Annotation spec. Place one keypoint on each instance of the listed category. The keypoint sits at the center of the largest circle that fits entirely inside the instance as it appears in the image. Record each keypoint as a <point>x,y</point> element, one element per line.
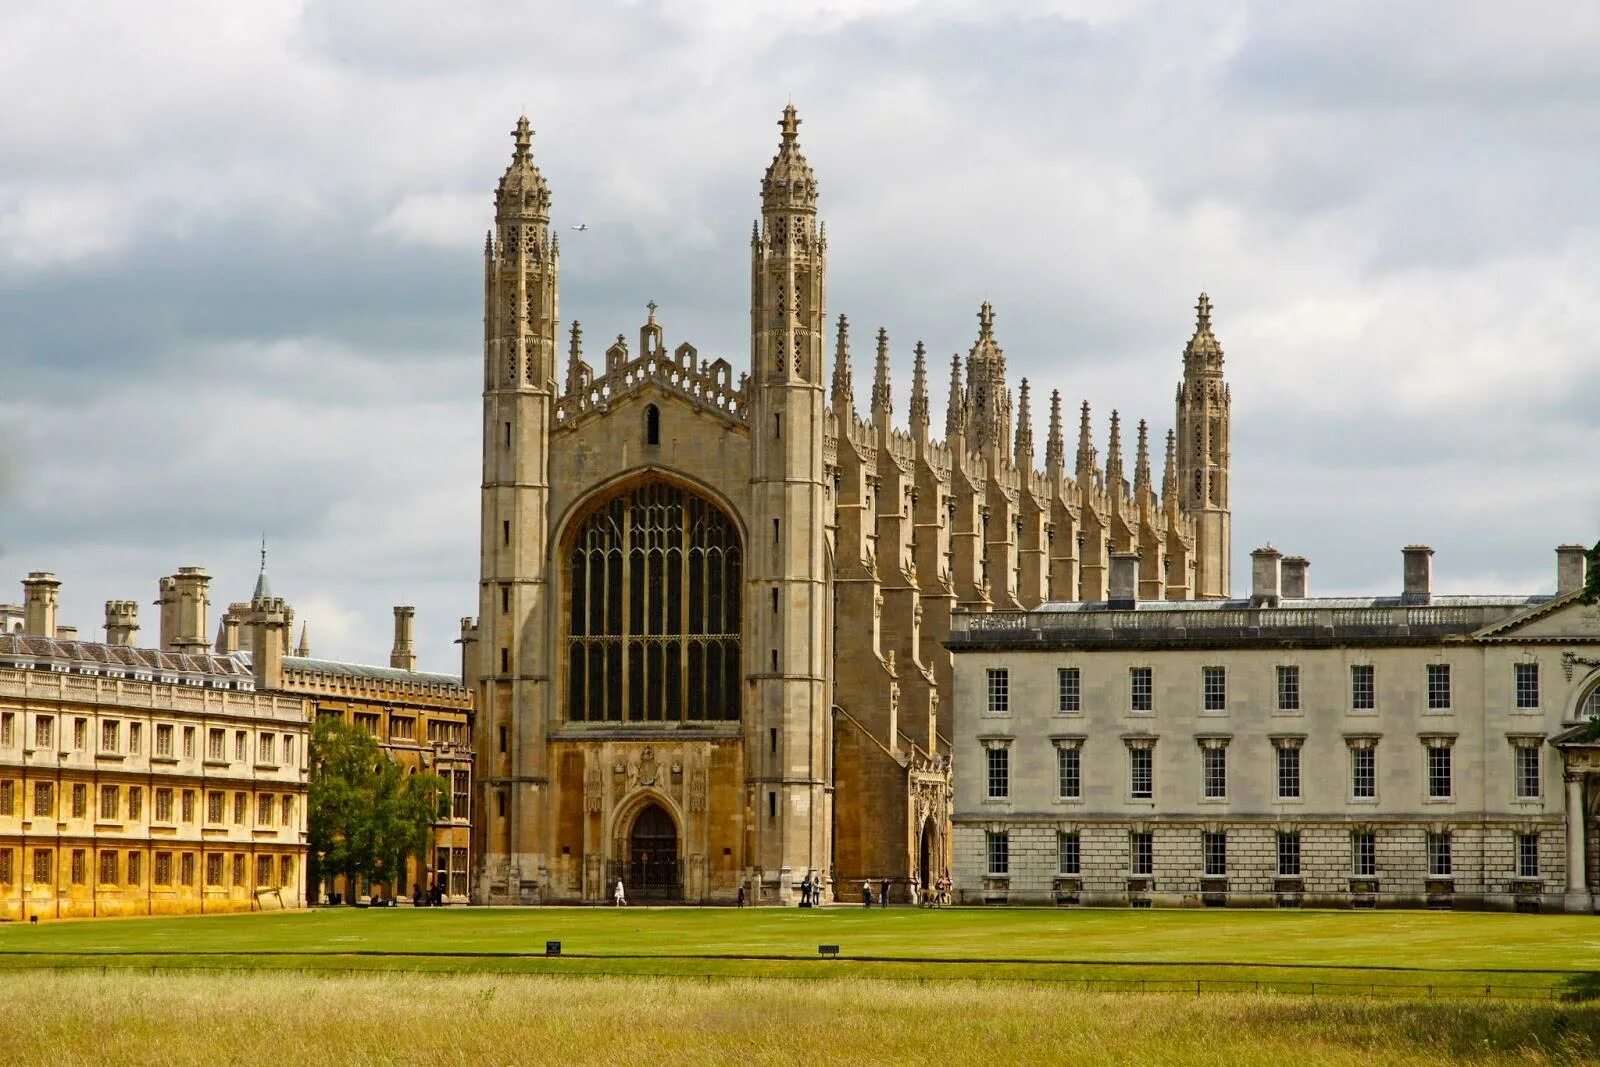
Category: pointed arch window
<point>652,425</point>
<point>654,576</point>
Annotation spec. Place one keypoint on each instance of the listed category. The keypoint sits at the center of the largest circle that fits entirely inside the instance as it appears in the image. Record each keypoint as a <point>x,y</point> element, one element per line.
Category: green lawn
<point>1380,950</point>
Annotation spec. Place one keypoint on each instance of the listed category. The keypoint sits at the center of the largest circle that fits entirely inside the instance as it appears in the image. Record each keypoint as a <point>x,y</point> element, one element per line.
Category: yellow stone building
<point>137,781</point>
<point>709,655</point>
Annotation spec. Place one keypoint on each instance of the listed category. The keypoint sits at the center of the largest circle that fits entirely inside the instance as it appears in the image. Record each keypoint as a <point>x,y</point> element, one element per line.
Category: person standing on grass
<point>883,894</point>
<point>866,893</point>
<point>741,894</point>
<point>617,896</point>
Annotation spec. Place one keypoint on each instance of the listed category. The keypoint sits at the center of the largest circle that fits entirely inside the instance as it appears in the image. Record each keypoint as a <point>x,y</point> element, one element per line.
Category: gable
<point>1561,619</point>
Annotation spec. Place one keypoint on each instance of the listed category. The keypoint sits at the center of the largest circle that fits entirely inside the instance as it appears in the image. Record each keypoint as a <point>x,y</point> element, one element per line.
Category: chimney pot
<point>1266,577</point>
<point>41,596</point>
<point>404,654</point>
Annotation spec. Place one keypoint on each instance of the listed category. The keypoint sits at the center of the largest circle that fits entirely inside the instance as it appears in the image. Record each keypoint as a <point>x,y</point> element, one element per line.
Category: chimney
<point>266,624</point>
<point>469,662</point>
<point>404,654</point>
<point>228,629</point>
<point>184,601</point>
<point>66,633</point>
<point>1294,577</point>
<point>1266,577</point>
<point>122,622</point>
<point>41,595</point>
<point>1418,574</point>
<point>1124,580</point>
<point>1571,568</point>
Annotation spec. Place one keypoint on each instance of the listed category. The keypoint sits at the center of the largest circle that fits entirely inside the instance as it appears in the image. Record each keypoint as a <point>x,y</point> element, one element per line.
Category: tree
<point>366,814</point>
<point>1591,580</point>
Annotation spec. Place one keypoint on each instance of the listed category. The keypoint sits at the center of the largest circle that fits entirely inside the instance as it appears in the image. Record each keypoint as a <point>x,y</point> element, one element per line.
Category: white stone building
<point>1390,751</point>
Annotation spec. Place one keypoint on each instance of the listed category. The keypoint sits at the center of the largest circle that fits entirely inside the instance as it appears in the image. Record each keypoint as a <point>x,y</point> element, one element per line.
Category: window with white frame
<point>1141,771</point>
<point>1364,854</point>
<point>999,779</point>
<point>1363,768</point>
<point>999,680</point>
<point>1591,705</point>
<point>1526,768</point>
<point>1214,768</point>
<point>1141,853</point>
<point>1527,855</point>
<point>1069,690</point>
<point>1141,689</point>
<point>1214,847</point>
<point>1068,856</point>
<point>1526,678</point>
<point>1439,854</point>
<point>1288,688</point>
<point>1438,686</point>
<point>1287,753</point>
<point>1363,687</point>
<point>1069,770</point>
<point>1288,853</point>
<point>999,853</point>
<point>1441,783</point>
<point>1214,688</point>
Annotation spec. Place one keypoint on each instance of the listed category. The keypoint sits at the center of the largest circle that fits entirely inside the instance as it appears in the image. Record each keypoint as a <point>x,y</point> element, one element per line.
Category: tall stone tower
<point>521,265</point>
<point>788,741</point>
<point>1203,435</point>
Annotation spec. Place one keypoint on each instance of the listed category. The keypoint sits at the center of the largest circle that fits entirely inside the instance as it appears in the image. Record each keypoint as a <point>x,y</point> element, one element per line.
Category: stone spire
<point>988,399</point>
<point>1086,456</point>
<point>844,390</point>
<point>1055,446</point>
<point>263,589</point>
<point>955,414</point>
<point>1114,456</point>
<point>1169,473</point>
<point>1203,353</point>
<point>523,192</point>
<point>575,359</point>
<point>882,406</point>
<point>1141,461</point>
<point>919,389</point>
<point>1024,441</point>
<point>789,183</point>
<point>304,650</point>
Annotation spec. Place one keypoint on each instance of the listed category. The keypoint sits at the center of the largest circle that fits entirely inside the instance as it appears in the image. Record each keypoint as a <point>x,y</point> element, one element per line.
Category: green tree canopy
<point>1591,580</point>
<point>366,814</point>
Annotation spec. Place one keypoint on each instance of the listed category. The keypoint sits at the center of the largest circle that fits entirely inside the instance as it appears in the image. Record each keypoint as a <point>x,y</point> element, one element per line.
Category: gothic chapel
<point>709,651</point>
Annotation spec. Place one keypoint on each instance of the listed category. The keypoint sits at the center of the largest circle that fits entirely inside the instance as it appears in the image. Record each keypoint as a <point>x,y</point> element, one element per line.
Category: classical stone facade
<point>1284,749</point>
<point>138,781</point>
<point>709,650</point>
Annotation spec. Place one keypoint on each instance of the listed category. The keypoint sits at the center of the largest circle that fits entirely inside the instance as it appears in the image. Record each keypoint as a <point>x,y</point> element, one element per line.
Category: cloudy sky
<point>240,273</point>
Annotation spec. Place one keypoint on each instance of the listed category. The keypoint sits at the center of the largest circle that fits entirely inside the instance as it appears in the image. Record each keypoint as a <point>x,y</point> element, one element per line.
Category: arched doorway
<point>654,871</point>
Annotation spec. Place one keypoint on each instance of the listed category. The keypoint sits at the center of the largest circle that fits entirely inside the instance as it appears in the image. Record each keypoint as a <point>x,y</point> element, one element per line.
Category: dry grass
<point>260,1018</point>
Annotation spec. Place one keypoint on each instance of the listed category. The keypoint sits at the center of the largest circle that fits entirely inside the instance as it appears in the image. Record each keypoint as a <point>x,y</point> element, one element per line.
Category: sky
<point>240,259</point>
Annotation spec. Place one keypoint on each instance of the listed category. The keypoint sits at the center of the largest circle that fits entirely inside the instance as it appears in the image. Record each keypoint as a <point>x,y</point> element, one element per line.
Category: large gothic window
<point>653,624</point>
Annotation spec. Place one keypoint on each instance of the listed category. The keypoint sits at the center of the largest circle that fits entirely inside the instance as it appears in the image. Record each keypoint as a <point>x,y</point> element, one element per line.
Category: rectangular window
<point>1364,854</point>
<point>1069,690</point>
<point>241,745</point>
<point>999,849</point>
<point>1215,848</point>
<point>108,802</point>
<point>999,773</point>
<point>1440,786</point>
<point>999,691</point>
<point>286,811</point>
<point>285,869</point>
<point>266,747</point>
<point>7,875</point>
<point>238,869</point>
<point>460,795</point>
<point>458,872</point>
<point>1069,772</point>
<point>1141,689</point>
<point>1438,686</point>
<point>1214,688</point>
<point>108,868</point>
<point>215,808</point>
<point>80,735</point>
<point>163,874</point>
<point>164,744</point>
<point>1288,853</point>
<point>80,800</point>
<point>135,737</point>
<point>264,804</point>
<point>214,868</point>
<point>43,861</point>
<point>80,864</point>
<point>43,801</point>
<point>1363,687</point>
<point>1364,773</point>
<point>1141,777</point>
<point>135,802</point>
<point>402,728</point>
<point>1288,688</point>
<point>241,808</point>
<point>8,729</point>
<point>217,744</point>
<point>1214,768</point>
<point>1439,855</point>
<point>1527,856</point>
<point>163,807</point>
<point>1527,681</point>
<point>44,730</point>
<point>135,868</point>
<point>186,866</point>
<point>188,805</point>
<point>1068,858</point>
<point>288,749</point>
<point>1527,771</point>
<point>110,735</point>
<point>1141,854</point>
<point>8,797</point>
<point>1288,772</point>
<point>188,753</point>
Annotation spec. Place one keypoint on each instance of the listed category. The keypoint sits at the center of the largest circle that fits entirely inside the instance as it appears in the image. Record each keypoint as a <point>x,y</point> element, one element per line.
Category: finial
<point>1086,458</point>
<point>1024,435</point>
<point>652,308</point>
<point>955,413</point>
<point>1141,460</point>
<point>986,320</point>
<point>790,124</point>
<point>919,387</point>
<point>881,402</point>
<point>1169,474</point>
<point>843,376</point>
<point>263,555</point>
<point>523,135</point>
<point>488,242</point>
<point>1204,309</point>
<point>1055,447</point>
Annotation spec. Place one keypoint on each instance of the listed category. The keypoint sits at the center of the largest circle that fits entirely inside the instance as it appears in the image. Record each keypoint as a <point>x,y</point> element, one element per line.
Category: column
<point>1577,868</point>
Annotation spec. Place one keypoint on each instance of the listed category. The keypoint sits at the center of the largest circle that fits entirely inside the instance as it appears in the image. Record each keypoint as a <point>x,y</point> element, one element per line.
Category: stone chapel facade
<point>710,652</point>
